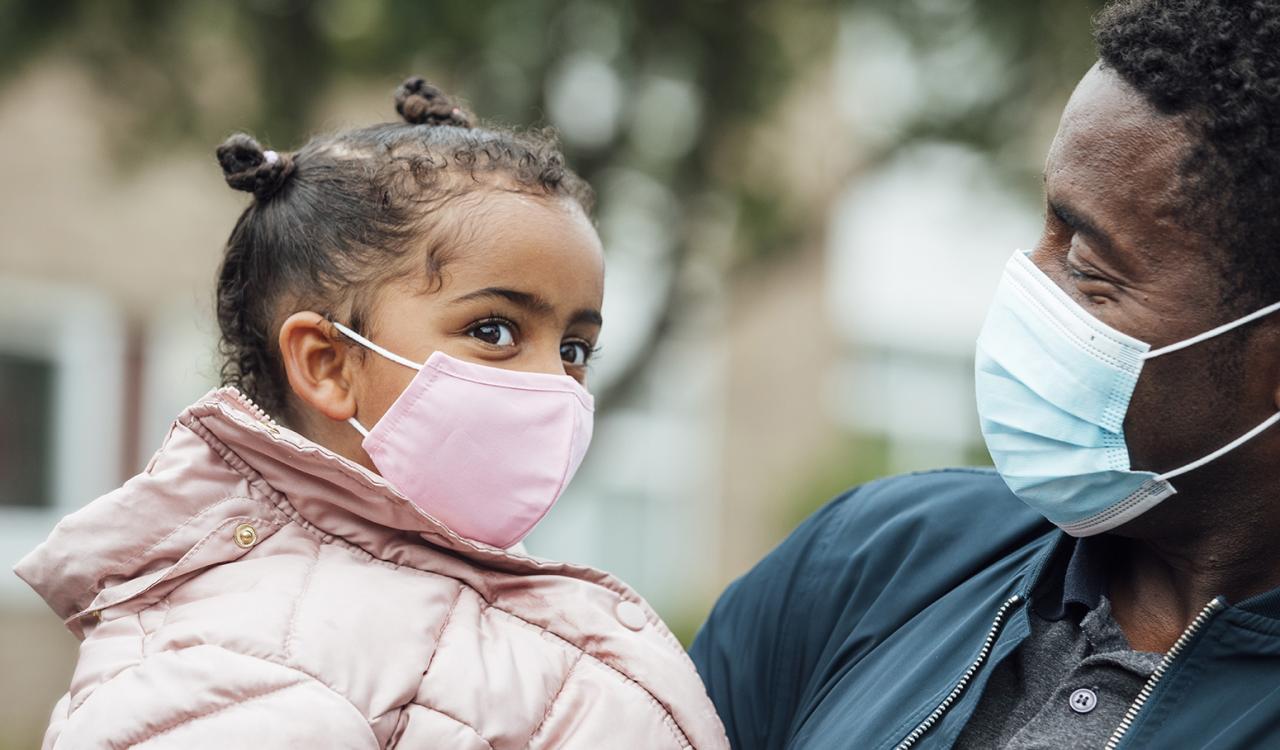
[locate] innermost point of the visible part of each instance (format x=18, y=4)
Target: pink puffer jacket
x=252, y=589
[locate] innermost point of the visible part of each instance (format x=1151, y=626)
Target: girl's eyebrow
x=531, y=302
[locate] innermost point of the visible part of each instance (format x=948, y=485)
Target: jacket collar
x=1069, y=571
x=327, y=490
x=1074, y=578
x=223, y=462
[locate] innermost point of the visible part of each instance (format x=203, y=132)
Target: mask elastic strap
x=374, y=347
x=1264, y=312
x=359, y=427
x=1224, y=450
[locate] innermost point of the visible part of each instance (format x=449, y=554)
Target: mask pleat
x=1053, y=367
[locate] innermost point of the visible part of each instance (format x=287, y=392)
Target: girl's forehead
x=505, y=223
x=519, y=240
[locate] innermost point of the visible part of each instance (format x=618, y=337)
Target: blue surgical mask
x=1053, y=388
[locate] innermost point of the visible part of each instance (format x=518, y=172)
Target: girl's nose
x=547, y=360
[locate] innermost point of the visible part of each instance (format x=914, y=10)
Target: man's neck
x=1171, y=567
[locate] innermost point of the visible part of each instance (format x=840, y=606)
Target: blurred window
x=26, y=431
x=62, y=406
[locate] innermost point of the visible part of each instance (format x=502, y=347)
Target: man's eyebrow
x=531, y=302
x=1079, y=223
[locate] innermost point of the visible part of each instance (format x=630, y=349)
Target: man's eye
x=575, y=353
x=1082, y=276
x=1078, y=271
x=1079, y=275
x=494, y=333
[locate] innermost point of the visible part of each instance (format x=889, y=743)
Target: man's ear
x=317, y=363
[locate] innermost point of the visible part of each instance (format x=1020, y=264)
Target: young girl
x=320, y=555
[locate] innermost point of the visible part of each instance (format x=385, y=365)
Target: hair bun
x=420, y=103
x=248, y=167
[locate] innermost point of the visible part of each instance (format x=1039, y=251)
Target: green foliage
x=190, y=72
x=155, y=56
x=1040, y=50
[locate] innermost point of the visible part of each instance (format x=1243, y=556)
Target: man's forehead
x=1116, y=163
x=1110, y=135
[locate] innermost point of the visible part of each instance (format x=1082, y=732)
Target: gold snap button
x=246, y=536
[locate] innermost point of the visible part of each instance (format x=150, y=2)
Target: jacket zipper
x=254, y=410
x=1178, y=647
x=965, y=679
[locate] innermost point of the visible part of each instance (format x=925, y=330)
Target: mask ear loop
x=380, y=350
x=1224, y=450
x=374, y=347
x=359, y=427
x=1264, y=312
x=1251, y=434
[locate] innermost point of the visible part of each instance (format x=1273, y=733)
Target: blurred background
x=806, y=207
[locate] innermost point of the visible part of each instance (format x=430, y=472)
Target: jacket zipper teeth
x=960, y=686
x=258, y=411
x=1144, y=695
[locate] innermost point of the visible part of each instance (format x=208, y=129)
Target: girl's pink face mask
x=483, y=450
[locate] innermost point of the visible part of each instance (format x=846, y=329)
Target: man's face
x=1113, y=241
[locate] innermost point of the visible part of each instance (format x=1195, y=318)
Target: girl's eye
x=494, y=333
x=575, y=353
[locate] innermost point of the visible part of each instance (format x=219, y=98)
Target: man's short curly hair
x=1216, y=62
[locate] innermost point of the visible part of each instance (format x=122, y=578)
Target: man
x=1079, y=597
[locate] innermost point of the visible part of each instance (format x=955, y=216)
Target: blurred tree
x=656, y=93
x=194, y=71
x=990, y=67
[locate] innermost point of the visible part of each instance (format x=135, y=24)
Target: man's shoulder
x=854, y=574
x=919, y=533
x=959, y=504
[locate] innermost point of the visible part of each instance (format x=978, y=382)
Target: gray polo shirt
x=1070, y=682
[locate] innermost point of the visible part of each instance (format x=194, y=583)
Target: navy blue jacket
x=877, y=623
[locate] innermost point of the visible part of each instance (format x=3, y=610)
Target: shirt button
x=631, y=615
x=1083, y=701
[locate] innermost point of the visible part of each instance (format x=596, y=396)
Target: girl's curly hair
x=347, y=211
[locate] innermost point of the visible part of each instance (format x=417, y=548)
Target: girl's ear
x=317, y=365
